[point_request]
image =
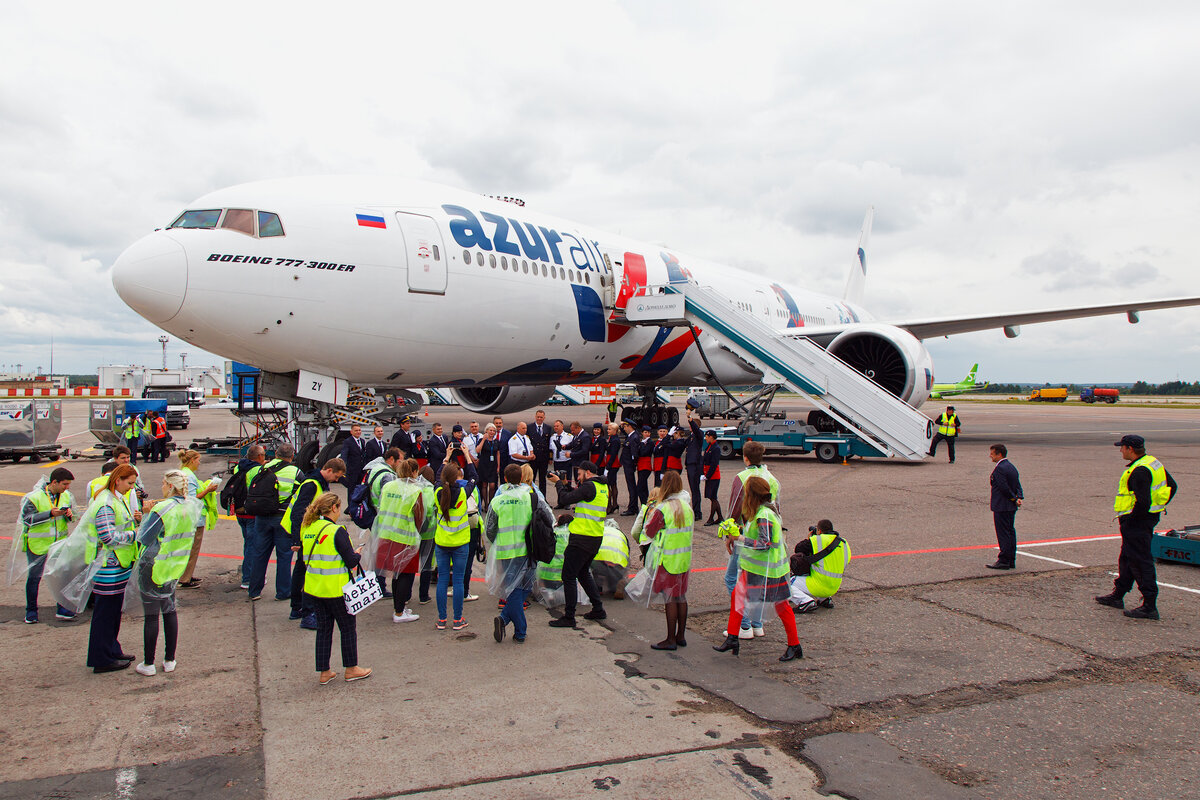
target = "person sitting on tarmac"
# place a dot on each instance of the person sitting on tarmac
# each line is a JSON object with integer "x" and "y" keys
{"x": 817, "y": 568}
{"x": 611, "y": 564}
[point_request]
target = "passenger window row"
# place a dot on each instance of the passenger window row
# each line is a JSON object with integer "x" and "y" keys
{"x": 524, "y": 267}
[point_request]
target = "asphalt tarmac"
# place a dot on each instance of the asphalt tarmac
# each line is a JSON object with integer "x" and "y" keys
{"x": 931, "y": 677}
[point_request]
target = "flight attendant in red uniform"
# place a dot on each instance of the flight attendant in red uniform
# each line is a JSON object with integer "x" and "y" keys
{"x": 710, "y": 468}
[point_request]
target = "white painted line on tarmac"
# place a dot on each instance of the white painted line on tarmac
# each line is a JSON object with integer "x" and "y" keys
{"x": 126, "y": 782}
{"x": 1170, "y": 586}
{"x": 1048, "y": 558}
{"x": 1108, "y": 538}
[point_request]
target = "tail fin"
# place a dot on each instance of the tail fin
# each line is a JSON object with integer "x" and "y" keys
{"x": 856, "y": 281}
{"x": 971, "y": 375}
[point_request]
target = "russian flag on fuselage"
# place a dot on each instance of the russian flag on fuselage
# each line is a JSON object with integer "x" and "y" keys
{"x": 370, "y": 220}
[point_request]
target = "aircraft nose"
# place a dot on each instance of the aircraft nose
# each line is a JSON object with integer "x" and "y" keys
{"x": 151, "y": 276}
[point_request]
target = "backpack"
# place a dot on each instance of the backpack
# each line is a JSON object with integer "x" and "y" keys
{"x": 262, "y": 498}
{"x": 233, "y": 493}
{"x": 358, "y": 505}
{"x": 540, "y": 540}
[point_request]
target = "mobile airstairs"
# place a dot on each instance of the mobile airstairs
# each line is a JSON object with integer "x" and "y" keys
{"x": 864, "y": 408}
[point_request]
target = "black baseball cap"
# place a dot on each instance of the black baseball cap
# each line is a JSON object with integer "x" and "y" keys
{"x": 586, "y": 466}
{"x": 1131, "y": 440}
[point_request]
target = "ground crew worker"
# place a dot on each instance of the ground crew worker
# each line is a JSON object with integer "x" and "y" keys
{"x": 165, "y": 536}
{"x": 131, "y": 432}
{"x": 269, "y": 532}
{"x": 670, "y": 525}
{"x": 45, "y": 518}
{"x": 614, "y": 408}
{"x": 763, "y": 569}
{"x": 817, "y": 567}
{"x": 314, "y": 485}
{"x": 587, "y": 534}
{"x": 510, "y": 575}
{"x": 1143, "y": 491}
{"x": 206, "y": 493}
{"x": 399, "y": 519}
{"x": 947, "y": 431}
{"x": 752, "y": 457}
{"x": 327, "y": 550}
{"x": 158, "y": 444}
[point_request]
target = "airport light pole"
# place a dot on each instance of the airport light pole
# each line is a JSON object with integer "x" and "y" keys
{"x": 163, "y": 341}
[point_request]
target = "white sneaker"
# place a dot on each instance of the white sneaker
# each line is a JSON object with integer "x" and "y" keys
{"x": 245, "y": 586}
{"x": 759, "y": 632}
{"x": 146, "y": 669}
{"x": 471, "y": 597}
{"x": 746, "y": 633}
{"x": 168, "y": 666}
{"x": 407, "y": 616}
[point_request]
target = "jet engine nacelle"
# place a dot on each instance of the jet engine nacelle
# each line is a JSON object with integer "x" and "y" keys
{"x": 890, "y": 356}
{"x": 501, "y": 399}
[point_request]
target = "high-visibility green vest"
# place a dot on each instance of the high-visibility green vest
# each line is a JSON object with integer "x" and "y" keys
{"x": 453, "y": 530}
{"x": 95, "y": 486}
{"x": 394, "y": 515}
{"x": 552, "y": 570}
{"x": 764, "y": 473}
{"x": 325, "y": 573}
{"x": 175, "y": 541}
{"x": 286, "y": 522}
{"x": 675, "y": 538}
{"x": 614, "y": 547}
{"x": 39, "y": 536}
{"x": 825, "y": 577}
{"x": 1160, "y": 492}
{"x": 209, "y": 501}
{"x": 428, "y": 499}
{"x": 514, "y": 512}
{"x": 132, "y": 428}
{"x": 123, "y": 519}
{"x": 771, "y": 562}
{"x": 286, "y": 476}
{"x": 590, "y": 514}
{"x": 948, "y": 424}
{"x": 375, "y": 483}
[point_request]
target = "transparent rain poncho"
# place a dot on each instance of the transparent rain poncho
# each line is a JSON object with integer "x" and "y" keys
{"x": 506, "y": 571}
{"x": 664, "y": 577}
{"x": 549, "y": 576}
{"x": 72, "y": 563}
{"x": 142, "y": 591}
{"x": 611, "y": 565}
{"x": 21, "y": 559}
{"x": 764, "y": 551}
{"x": 385, "y": 549}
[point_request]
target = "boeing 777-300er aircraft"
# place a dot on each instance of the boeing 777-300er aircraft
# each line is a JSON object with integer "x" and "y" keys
{"x": 325, "y": 282}
{"x": 967, "y": 384}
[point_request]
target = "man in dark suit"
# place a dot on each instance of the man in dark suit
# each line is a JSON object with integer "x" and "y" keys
{"x": 437, "y": 445}
{"x": 581, "y": 446}
{"x": 375, "y": 447}
{"x": 539, "y": 434}
{"x": 402, "y": 438}
{"x": 630, "y": 446}
{"x": 352, "y": 454}
{"x": 1006, "y": 499}
{"x": 502, "y": 437}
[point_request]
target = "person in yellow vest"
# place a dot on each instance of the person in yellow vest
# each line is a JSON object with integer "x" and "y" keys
{"x": 111, "y": 528}
{"x": 165, "y": 536}
{"x": 1143, "y": 491}
{"x": 947, "y": 431}
{"x": 122, "y": 455}
{"x": 452, "y": 541}
{"x": 131, "y": 432}
{"x": 425, "y": 478}
{"x": 762, "y": 568}
{"x": 610, "y": 567}
{"x": 509, "y": 571}
{"x": 44, "y": 519}
{"x": 818, "y": 566}
{"x": 206, "y": 493}
{"x": 587, "y": 534}
{"x": 669, "y": 526}
{"x": 330, "y": 557}
{"x": 396, "y": 535}
{"x": 316, "y": 483}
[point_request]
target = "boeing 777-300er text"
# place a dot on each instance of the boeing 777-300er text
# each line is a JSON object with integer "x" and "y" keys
{"x": 384, "y": 282}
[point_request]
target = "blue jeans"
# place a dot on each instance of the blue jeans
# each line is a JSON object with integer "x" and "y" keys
{"x": 754, "y": 612}
{"x": 33, "y": 580}
{"x": 451, "y": 561}
{"x": 268, "y": 533}
{"x": 247, "y": 525}
{"x": 514, "y": 611}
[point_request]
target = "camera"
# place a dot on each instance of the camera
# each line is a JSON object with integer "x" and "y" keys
{"x": 812, "y": 528}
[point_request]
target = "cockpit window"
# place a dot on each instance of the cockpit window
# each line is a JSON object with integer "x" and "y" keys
{"x": 269, "y": 224}
{"x": 239, "y": 219}
{"x": 198, "y": 219}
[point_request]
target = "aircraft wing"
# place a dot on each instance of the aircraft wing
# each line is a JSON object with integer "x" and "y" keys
{"x": 946, "y": 326}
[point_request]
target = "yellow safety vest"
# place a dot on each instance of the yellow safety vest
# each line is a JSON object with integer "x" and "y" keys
{"x": 123, "y": 519}
{"x": 614, "y": 548}
{"x": 825, "y": 577}
{"x": 552, "y": 570}
{"x": 325, "y": 573}
{"x": 453, "y": 530}
{"x": 514, "y": 511}
{"x": 209, "y": 501}
{"x": 765, "y": 474}
{"x": 1160, "y": 492}
{"x": 590, "y": 514}
{"x": 771, "y": 562}
{"x": 947, "y": 425}
{"x": 286, "y": 522}
{"x": 40, "y": 535}
{"x": 394, "y": 515}
{"x": 175, "y": 541}
{"x": 675, "y": 539}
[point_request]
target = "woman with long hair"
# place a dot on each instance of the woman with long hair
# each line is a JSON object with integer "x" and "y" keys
{"x": 763, "y": 568}
{"x": 401, "y": 515}
{"x": 669, "y": 526}
{"x": 111, "y": 522}
{"x": 205, "y": 492}
{"x": 452, "y": 544}
{"x": 328, "y": 559}
{"x": 165, "y": 535}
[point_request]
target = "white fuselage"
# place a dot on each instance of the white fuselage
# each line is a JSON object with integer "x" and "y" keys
{"x": 395, "y": 282}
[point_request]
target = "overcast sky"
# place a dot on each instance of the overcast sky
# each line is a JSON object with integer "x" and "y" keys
{"x": 1018, "y": 155}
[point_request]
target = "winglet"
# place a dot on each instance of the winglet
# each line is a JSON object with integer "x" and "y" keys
{"x": 856, "y": 281}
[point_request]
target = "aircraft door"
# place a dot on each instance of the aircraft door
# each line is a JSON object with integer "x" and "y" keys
{"x": 426, "y": 256}
{"x": 636, "y": 274}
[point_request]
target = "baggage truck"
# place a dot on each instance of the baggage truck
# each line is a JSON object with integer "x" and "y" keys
{"x": 1049, "y": 395}
{"x": 30, "y": 428}
{"x": 1100, "y": 394}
